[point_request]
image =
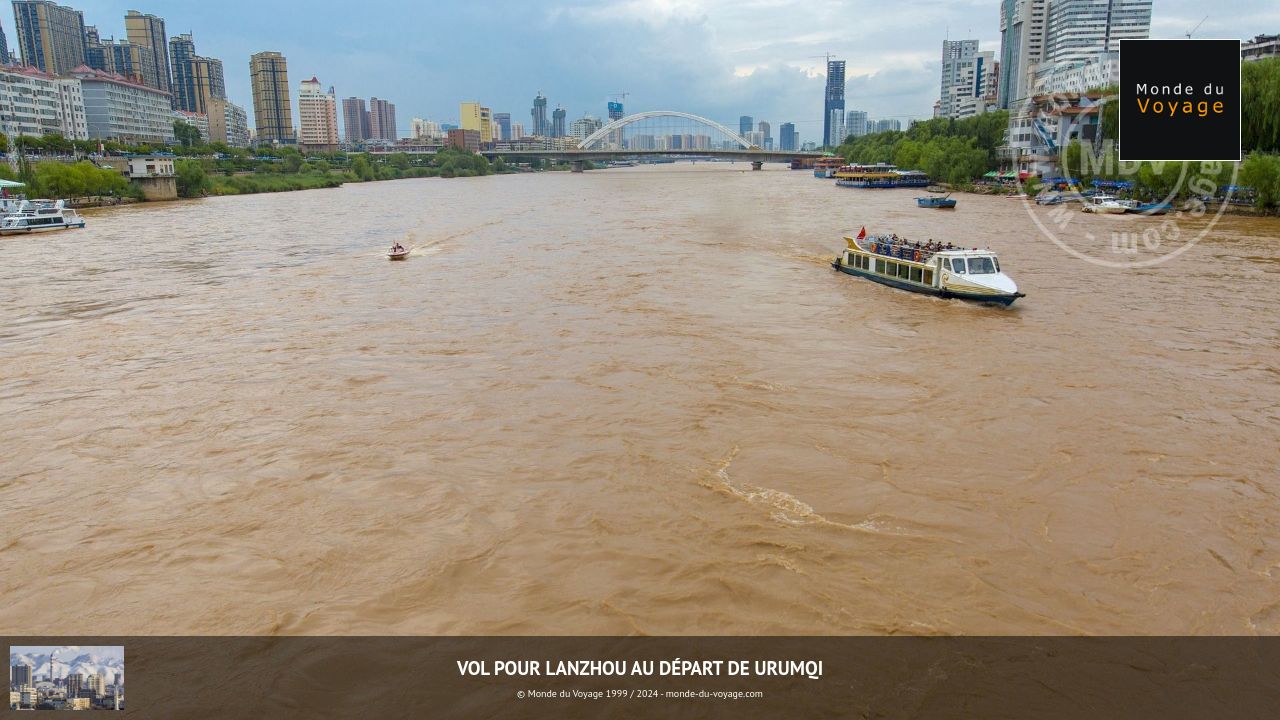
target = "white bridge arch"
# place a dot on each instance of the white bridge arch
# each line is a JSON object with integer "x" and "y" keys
{"x": 617, "y": 125}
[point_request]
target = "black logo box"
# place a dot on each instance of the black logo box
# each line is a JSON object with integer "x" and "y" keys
{"x": 1186, "y": 64}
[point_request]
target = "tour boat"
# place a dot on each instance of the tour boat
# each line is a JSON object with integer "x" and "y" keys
{"x": 952, "y": 273}
{"x": 944, "y": 203}
{"x": 40, "y": 216}
{"x": 398, "y": 253}
{"x": 1108, "y": 205}
{"x": 879, "y": 175}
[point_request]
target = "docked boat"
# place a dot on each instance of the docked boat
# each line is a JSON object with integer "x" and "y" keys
{"x": 1160, "y": 208}
{"x": 1108, "y": 205}
{"x": 826, "y": 167}
{"x": 398, "y": 252}
{"x": 944, "y": 203}
{"x": 40, "y": 216}
{"x": 950, "y": 273}
{"x": 879, "y": 175}
{"x": 1050, "y": 200}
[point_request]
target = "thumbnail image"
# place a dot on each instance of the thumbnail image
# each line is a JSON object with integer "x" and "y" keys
{"x": 71, "y": 677}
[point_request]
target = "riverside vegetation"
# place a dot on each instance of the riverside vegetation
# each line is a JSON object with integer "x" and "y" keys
{"x": 215, "y": 169}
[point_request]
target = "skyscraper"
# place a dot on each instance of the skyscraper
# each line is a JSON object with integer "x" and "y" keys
{"x": 765, "y": 131}
{"x": 50, "y": 36}
{"x": 317, "y": 117}
{"x": 355, "y": 120}
{"x": 1079, "y": 30}
{"x": 382, "y": 120}
{"x": 469, "y": 116}
{"x": 4, "y": 47}
{"x": 272, "y": 112}
{"x": 855, "y": 123}
{"x": 787, "y": 138}
{"x": 966, "y": 76}
{"x": 558, "y": 122}
{"x": 503, "y": 123}
{"x": 148, "y": 31}
{"x": 1022, "y": 25}
{"x": 539, "y": 113}
{"x": 136, "y": 62}
{"x": 20, "y": 676}
{"x": 833, "y": 105}
{"x": 745, "y": 125}
{"x": 181, "y": 49}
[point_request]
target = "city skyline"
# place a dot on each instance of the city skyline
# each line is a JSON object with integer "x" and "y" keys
{"x": 730, "y": 59}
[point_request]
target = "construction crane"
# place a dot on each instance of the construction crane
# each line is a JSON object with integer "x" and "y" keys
{"x": 1197, "y": 27}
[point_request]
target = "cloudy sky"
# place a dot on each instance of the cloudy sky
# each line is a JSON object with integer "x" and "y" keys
{"x": 717, "y": 58}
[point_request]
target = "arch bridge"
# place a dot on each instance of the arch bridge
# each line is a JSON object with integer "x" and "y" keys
{"x": 609, "y": 143}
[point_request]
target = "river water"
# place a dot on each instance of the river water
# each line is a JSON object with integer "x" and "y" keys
{"x": 627, "y": 401}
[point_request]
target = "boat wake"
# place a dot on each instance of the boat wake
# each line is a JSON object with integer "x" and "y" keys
{"x": 787, "y": 508}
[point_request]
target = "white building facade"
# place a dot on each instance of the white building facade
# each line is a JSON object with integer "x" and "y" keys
{"x": 37, "y": 103}
{"x": 317, "y": 117}
{"x": 124, "y": 111}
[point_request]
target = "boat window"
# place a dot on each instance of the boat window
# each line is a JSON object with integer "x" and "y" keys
{"x": 903, "y": 270}
{"x": 997, "y": 262}
{"x": 981, "y": 266}
{"x": 880, "y": 266}
{"x": 915, "y": 274}
{"x": 928, "y": 276}
{"x": 957, "y": 265}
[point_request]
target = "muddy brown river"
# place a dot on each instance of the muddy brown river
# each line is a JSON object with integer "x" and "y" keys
{"x": 633, "y": 401}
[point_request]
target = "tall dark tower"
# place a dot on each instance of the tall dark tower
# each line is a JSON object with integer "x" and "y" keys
{"x": 539, "y": 113}
{"x": 834, "y": 101}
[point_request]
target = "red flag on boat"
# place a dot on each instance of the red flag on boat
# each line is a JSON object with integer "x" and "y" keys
{"x": 863, "y": 232}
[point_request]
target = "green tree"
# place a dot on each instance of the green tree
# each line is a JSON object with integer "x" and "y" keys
{"x": 192, "y": 179}
{"x": 362, "y": 169}
{"x": 187, "y": 135}
{"x": 1260, "y": 98}
{"x": 1262, "y": 173}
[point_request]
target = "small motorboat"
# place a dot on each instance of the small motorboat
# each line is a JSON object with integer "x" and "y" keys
{"x": 39, "y": 216}
{"x": 398, "y": 252}
{"x": 1108, "y": 205}
{"x": 1159, "y": 208}
{"x": 1050, "y": 199}
{"x": 943, "y": 203}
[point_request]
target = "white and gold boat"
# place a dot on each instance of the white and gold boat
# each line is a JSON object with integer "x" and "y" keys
{"x": 945, "y": 272}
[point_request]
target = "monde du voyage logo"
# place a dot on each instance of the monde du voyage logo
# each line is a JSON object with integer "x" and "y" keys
{"x": 1180, "y": 100}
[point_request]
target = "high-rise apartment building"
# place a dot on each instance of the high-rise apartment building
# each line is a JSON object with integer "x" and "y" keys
{"x": 37, "y": 103}
{"x": 355, "y": 120}
{"x": 148, "y": 31}
{"x": 558, "y": 128}
{"x": 967, "y": 77}
{"x": 136, "y": 62}
{"x": 181, "y": 49}
{"x": 833, "y": 103}
{"x": 272, "y": 111}
{"x": 788, "y": 139}
{"x": 541, "y": 128}
{"x": 20, "y": 676}
{"x": 4, "y": 47}
{"x": 197, "y": 80}
{"x": 767, "y": 133}
{"x": 855, "y": 123}
{"x": 317, "y": 117}
{"x": 1022, "y": 36}
{"x": 382, "y": 120}
{"x": 502, "y": 126}
{"x": 228, "y": 123}
{"x": 486, "y": 125}
{"x": 125, "y": 111}
{"x": 517, "y": 131}
{"x": 1080, "y": 30}
{"x": 50, "y": 36}
{"x": 469, "y": 116}
{"x": 746, "y": 124}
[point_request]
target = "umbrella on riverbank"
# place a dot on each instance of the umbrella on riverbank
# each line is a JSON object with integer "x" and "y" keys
{"x": 10, "y": 183}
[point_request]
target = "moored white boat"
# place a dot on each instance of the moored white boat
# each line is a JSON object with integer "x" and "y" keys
{"x": 949, "y": 273}
{"x": 40, "y": 216}
{"x": 1108, "y": 205}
